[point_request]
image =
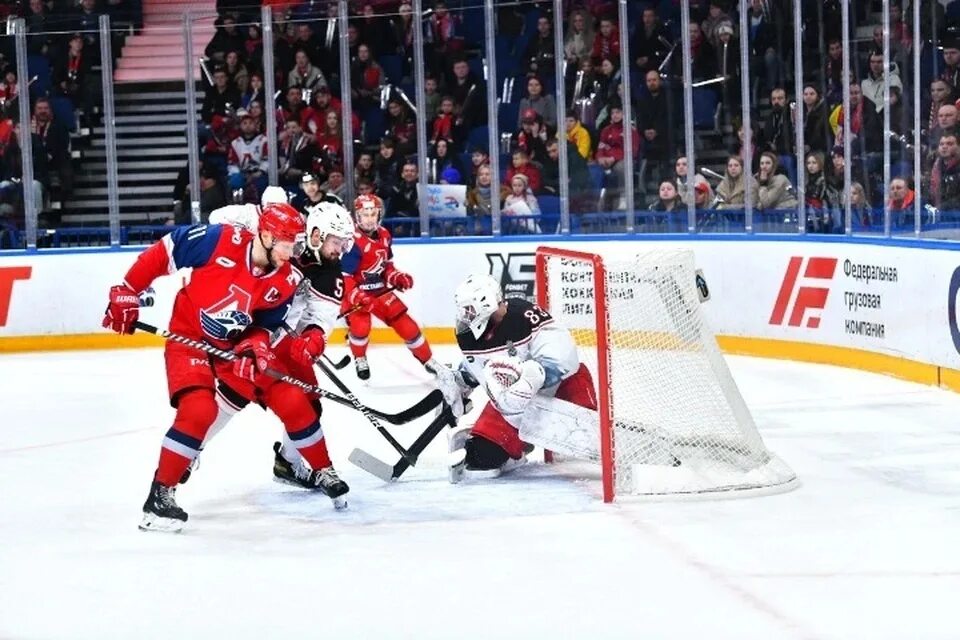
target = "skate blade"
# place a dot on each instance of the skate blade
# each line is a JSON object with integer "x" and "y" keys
{"x": 339, "y": 503}
{"x": 487, "y": 474}
{"x": 153, "y": 522}
{"x": 292, "y": 483}
{"x": 481, "y": 474}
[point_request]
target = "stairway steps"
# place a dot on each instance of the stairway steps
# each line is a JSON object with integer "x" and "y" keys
{"x": 127, "y": 152}
{"x": 167, "y": 177}
{"x": 160, "y": 96}
{"x": 175, "y": 127}
{"x": 140, "y": 76}
{"x": 139, "y": 216}
{"x": 126, "y": 122}
{"x": 134, "y": 142}
{"x": 124, "y": 191}
{"x": 126, "y": 203}
{"x": 159, "y": 107}
{"x": 158, "y": 165}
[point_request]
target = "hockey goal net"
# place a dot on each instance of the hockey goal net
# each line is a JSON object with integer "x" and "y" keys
{"x": 670, "y": 416}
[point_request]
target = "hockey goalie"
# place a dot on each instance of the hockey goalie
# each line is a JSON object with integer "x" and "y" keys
{"x": 539, "y": 392}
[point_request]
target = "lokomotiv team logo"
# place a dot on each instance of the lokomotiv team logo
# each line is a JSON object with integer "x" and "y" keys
{"x": 807, "y": 297}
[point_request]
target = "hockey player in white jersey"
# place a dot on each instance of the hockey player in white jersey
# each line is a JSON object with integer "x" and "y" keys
{"x": 309, "y": 321}
{"x": 247, "y": 215}
{"x": 528, "y": 366}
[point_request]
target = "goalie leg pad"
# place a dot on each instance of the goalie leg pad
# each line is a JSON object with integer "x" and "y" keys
{"x": 495, "y": 428}
{"x": 563, "y": 427}
{"x": 483, "y": 454}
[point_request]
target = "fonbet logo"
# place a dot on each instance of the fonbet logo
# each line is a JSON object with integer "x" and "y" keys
{"x": 804, "y": 297}
{"x": 516, "y": 274}
{"x": 9, "y": 275}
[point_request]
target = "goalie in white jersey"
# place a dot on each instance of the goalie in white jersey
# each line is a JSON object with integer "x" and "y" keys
{"x": 526, "y": 362}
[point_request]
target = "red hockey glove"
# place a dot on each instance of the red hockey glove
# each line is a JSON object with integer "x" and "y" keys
{"x": 361, "y": 301}
{"x": 122, "y": 310}
{"x": 255, "y": 358}
{"x": 308, "y": 346}
{"x": 400, "y": 280}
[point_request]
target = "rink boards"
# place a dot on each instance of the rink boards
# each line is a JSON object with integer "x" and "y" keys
{"x": 883, "y": 307}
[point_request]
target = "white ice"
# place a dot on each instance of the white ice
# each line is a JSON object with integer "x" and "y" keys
{"x": 867, "y": 547}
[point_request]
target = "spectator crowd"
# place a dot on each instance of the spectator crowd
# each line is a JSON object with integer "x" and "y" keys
{"x": 308, "y": 110}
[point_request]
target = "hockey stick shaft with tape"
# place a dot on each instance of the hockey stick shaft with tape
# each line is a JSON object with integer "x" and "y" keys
{"x": 424, "y": 406}
{"x": 390, "y": 473}
{"x": 366, "y": 413}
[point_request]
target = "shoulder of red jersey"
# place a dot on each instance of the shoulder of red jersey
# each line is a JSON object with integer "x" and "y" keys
{"x": 197, "y": 245}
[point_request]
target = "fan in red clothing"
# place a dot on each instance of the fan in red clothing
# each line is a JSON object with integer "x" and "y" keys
{"x": 370, "y": 284}
{"x": 240, "y": 290}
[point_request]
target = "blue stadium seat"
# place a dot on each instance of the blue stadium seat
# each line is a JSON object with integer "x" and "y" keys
{"x": 549, "y": 205}
{"x": 374, "y": 125}
{"x": 508, "y": 113}
{"x": 39, "y": 66}
{"x": 596, "y": 176}
{"x": 476, "y": 66}
{"x": 704, "y": 107}
{"x": 473, "y": 26}
{"x": 63, "y": 112}
{"x": 478, "y": 136}
{"x": 392, "y": 68}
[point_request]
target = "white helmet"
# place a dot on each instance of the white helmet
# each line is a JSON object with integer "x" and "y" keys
{"x": 476, "y": 299}
{"x": 332, "y": 220}
{"x": 273, "y": 195}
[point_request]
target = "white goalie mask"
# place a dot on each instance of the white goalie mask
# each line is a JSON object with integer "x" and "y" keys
{"x": 329, "y": 219}
{"x": 476, "y": 299}
{"x": 273, "y": 195}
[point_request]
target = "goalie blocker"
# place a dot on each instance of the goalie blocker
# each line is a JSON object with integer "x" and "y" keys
{"x": 523, "y": 359}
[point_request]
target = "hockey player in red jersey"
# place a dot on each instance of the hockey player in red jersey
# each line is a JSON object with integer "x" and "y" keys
{"x": 240, "y": 290}
{"x": 524, "y": 360}
{"x": 368, "y": 276}
{"x": 330, "y": 233}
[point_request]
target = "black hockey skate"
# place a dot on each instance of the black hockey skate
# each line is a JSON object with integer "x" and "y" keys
{"x": 327, "y": 481}
{"x": 300, "y": 475}
{"x": 296, "y": 475}
{"x": 363, "y": 369}
{"x": 160, "y": 511}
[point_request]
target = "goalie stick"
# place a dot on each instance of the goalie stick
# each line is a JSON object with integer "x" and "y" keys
{"x": 366, "y": 412}
{"x": 389, "y": 473}
{"x": 427, "y": 404}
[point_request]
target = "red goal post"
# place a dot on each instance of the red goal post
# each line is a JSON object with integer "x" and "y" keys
{"x": 603, "y": 346}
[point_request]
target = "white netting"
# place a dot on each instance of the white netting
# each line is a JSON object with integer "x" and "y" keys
{"x": 679, "y": 422}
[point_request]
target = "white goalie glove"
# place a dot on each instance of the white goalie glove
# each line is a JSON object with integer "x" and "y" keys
{"x": 512, "y": 383}
{"x": 456, "y": 387}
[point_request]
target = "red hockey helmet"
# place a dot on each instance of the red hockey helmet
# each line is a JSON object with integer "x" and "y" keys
{"x": 368, "y": 204}
{"x": 283, "y": 221}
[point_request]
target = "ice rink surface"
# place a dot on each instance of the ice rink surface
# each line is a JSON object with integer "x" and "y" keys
{"x": 867, "y": 547}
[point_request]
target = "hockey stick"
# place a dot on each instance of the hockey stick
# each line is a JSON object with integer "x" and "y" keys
{"x": 389, "y": 473}
{"x": 339, "y": 364}
{"x": 427, "y": 404}
{"x": 356, "y": 307}
{"x": 366, "y": 412}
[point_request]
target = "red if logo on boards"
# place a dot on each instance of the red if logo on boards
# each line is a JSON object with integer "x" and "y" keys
{"x": 9, "y": 275}
{"x": 808, "y": 297}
